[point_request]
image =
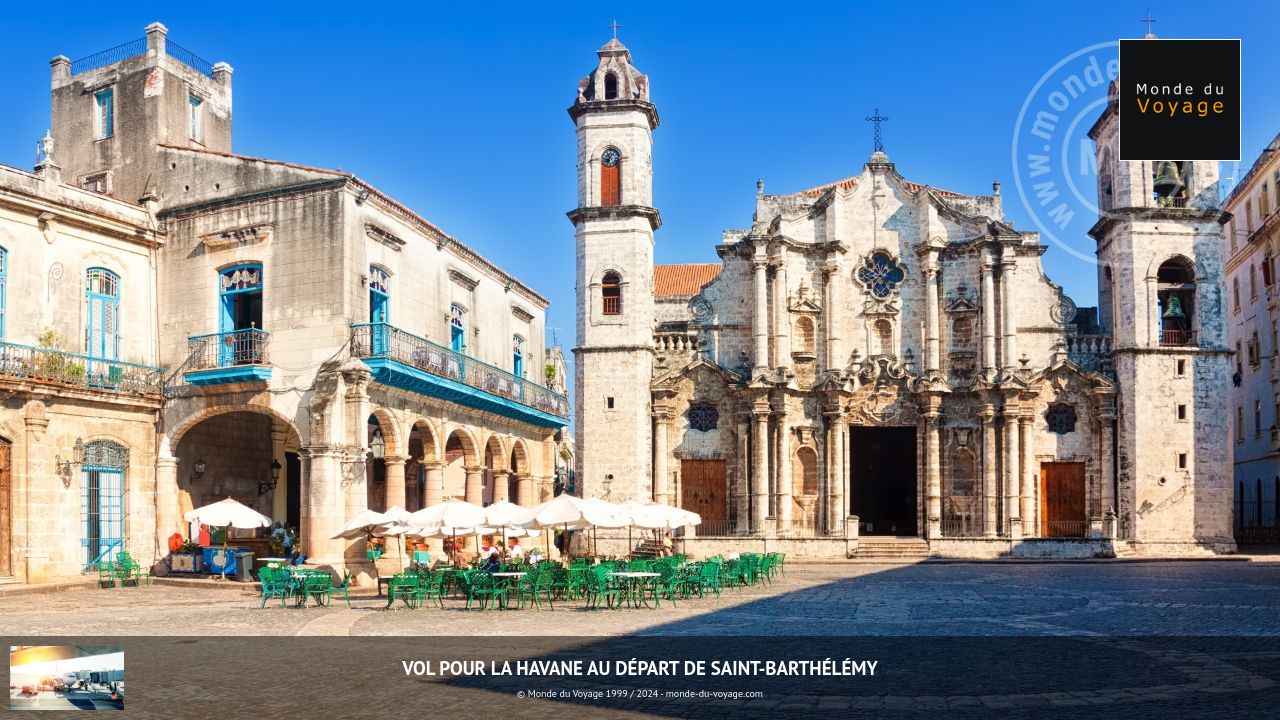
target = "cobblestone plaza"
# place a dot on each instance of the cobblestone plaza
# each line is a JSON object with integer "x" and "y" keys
{"x": 1232, "y": 598}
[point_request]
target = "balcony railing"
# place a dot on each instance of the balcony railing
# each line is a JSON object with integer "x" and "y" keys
{"x": 63, "y": 368}
{"x": 1066, "y": 528}
{"x": 381, "y": 340}
{"x": 136, "y": 48}
{"x": 229, "y": 349}
{"x": 1177, "y": 337}
{"x": 612, "y": 305}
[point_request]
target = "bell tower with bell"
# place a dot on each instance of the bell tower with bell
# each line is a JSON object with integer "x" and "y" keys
{"x": 1161, "y": 286}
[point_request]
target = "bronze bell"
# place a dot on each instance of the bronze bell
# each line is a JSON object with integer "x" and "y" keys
{"x": 1174, "y": 310}
{"x": 1168, "y": 178}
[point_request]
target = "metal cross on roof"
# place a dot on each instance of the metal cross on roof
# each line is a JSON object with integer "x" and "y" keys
{"x": 614, "y": 26}
{"x": 1148, "y": 20}
{"x": 877, "y": 119}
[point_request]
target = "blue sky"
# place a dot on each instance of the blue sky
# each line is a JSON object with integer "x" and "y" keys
{"x": 459, "y": 112}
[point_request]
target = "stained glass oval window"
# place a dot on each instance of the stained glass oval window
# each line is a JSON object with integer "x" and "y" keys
{"x": 703, "y": 417}
{"x": 881, "y": 274}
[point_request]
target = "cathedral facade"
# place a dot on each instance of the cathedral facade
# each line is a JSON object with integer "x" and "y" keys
{"x": 875, "y": 362}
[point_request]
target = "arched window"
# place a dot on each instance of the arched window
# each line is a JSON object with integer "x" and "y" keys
{"x": 102, "y": 326}
{"x": 610, "y": 177}
{"x": 611, "y": 293}
{"x": 458, "y": 328}
{"x": 610, "y": 86}
{"x": 102, "y": 500}
{"x": 804, "y": 336}
{"x": 1176, "y": 290}
{"x": 517, "y": 356}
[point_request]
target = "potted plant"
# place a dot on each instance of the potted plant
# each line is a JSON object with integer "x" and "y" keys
{"x": 187, "y": 558}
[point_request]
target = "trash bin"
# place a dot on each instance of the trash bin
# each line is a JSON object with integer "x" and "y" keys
{"x": 244, "y": 565}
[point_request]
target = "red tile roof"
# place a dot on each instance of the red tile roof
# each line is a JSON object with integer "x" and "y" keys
{"x": 683, "y": 280}
{"x": 850, "y": 183}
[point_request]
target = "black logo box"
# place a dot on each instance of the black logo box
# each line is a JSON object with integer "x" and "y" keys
{"x": 1187, "y": 68}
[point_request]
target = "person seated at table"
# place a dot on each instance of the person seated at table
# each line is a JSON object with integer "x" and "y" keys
{"x": 515, "y": 553}
{"x": 535, "y": 555}
{"x": 487, "y": 548}
{"x": 490, "y": 563}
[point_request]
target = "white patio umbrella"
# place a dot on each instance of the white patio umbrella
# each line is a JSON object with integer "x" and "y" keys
{"x": 227, "y": 513}
{"x": 450, "y": 513}
{"x": 505, "y": 515}
{"x": 360, "y": 525}
{"x": 570, "y": 511}
{"x": 396, "y": 530}
{"x": 657, "y": 516}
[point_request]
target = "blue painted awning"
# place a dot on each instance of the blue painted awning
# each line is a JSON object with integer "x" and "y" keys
{"x": 407, "y": 377}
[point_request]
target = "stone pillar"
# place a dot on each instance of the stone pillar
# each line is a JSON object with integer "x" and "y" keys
{"x": 990, "y": 499}
{"x": 1013, "y": 491}
{"x": 323, "y": 505}
{"x": 933, "y": 470}
{"x": 759, "y": 470}
{"x": 781, "y": 314}
{"x": 1106, "y": 466}
{"x": 395, "y": 493}
{"x": 989, "y": 363}
{"x": 280, "y": 494}
{"x": 34, "y": 563}
{"x": 156, "y": 33}
{"x": 434, "y": 490}
{"x": 1008, "y": 265}
{"x": 782, "y": 479}
{"x": 742, "y": 481}
{"x": 525, "y": 491}
{"x": 836, "y": 511}
{"x": 661, "y": 476}
{"x": 830, "y": 307}
{"x": 932, "y": 357}
{"x": 473, "y": 490}
{"x": 1029, "y": 479}
{"x": 501, "y": 485}
{"x": 760, "y": 319}
{"x": 168, "y": 515}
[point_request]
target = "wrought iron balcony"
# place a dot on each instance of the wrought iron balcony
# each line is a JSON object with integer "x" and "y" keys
{"x": 406, "y": 360}
{"x": 137, "y": 48}
{"x": 231, "y": 356}
{"x": 62, "y": 368}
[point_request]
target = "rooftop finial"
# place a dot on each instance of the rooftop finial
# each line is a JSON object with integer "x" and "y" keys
{"x": 614, "y": 26}
{"x": 1149, "y": 20}
{"x": 44, "y": 150}
{"x": 878, "y": 138}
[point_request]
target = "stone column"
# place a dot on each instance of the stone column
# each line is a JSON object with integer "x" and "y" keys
{"x": 280, "y": 494}
{"x": 932, "y": 358}
{"x": 473, "y": 491}
{"x": 989, "y": 363}
{"x": 933, "y": 470}
{"x": 1106, "y": 467}
{"x": 324, "y": 506}
{"x": 34, "y": 563}
{"x": 742, "y": 481}
{"x": 395, "y": 493}
{"x": 759, "y": 470}
{"x": 1008, "y": 265}
{"x": 1013, "y": 491}
{"x": 501, "y": 485}
{"x": 525, "y": 491}
{"x": 168, "y": 517}
{"x": 434, "y": 490}
{"x": 837, "y": 511}
{"x": 781, "y": 313}
{"x": 782, "y": 481}
{"x": 990, "y": 499}
{"x": 830, "y": 304}
{"x": 760, "y": 319}
{"x": 1029, "y": 480}
{"x": 661, "y": 476}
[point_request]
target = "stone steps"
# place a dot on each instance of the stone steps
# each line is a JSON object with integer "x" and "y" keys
{"x": 8, "y": 580}
{"x": 892, "y": 548}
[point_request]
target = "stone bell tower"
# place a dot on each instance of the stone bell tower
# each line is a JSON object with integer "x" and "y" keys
{"x": 1161, "y": 285}
{"x": 614, "y": 223}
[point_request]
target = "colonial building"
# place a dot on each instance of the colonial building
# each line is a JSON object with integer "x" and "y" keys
{"x": 878, "y": 357}
{"x": 326, "y": 348}
{"x": 78, "y": 372}
{"x": 1253, "y": 242}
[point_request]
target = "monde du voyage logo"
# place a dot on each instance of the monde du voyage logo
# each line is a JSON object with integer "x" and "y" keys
{"x": 1179, "y": 99}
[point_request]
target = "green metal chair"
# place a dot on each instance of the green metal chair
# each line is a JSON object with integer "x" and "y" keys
{"x": 318, "y": 586}
{"x": 538, "y": 585}
{"x": 602, "y": 587}
{"x": 485, "y": 590}
{"x": 107, "y": 574}
{"x": 666, "y": 585}
{"x": 433, "y": 587}
{"x": 274, "y": 584}
{"x": 407, "y": 586}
